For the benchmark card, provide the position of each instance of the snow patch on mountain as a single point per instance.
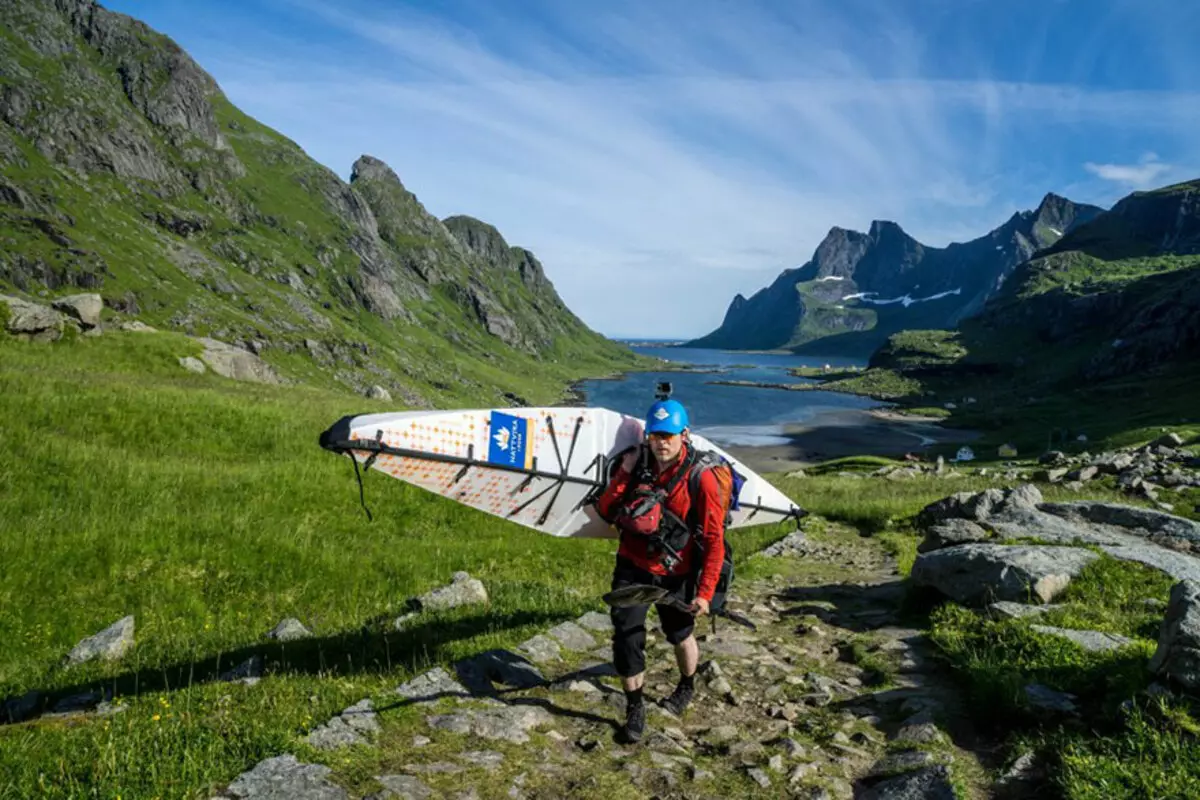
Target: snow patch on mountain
(906, 300)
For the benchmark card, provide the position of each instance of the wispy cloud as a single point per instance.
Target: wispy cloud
(1141, 175)
(695, 149)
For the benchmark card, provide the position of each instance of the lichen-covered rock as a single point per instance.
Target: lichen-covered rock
(237, 364)
(950, 532)
(285, 778)
(432, 685)
(1178, 655)
(33, 321)
(975, 573)
(511, 723)
(85, 308)
(109, 644)
(572, 636)
(461, 591)
(289, 630)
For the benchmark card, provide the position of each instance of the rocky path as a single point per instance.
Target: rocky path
(831, 697)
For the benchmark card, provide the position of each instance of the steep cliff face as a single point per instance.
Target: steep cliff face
(860, 287)
(126, 170)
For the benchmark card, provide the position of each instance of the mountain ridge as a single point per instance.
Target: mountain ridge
(128, 172)
(845, 290)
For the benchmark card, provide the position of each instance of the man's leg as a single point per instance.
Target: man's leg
(678, 626)
(687, 655)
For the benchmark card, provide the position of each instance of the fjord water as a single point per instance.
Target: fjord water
(730, 416)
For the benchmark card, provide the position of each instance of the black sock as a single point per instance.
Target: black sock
(633, 697)
(688, 681)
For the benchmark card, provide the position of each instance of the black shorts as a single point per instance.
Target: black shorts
(629, 622)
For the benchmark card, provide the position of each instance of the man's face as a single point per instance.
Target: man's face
(666, 446)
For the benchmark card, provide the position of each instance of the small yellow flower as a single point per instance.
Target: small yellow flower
(156, 718)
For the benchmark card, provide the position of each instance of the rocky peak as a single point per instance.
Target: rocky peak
(397, 211)
(481, 239)
(369, 168)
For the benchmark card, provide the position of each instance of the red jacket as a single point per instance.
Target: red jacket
(712, 497)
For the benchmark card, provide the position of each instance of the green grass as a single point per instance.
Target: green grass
(205, 508)
(1126, 745)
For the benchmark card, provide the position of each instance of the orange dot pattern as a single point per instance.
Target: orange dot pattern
(495, 491)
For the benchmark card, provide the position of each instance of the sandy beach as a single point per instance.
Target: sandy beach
(836, 434)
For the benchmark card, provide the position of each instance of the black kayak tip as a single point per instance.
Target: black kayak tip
(336, 438)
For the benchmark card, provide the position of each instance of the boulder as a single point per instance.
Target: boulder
(931, 783)
(1178, 655)
(1170, 440)
(379, 393)
(1092, 641)
(85, 308)
(463, 590)
(952, 532)
(963, 505)
(355, 725)
(33, 321)
(572, 636)
(109, 644)
(285, 776)
(431, 685)
(510, 723)
(977, 573)
(1143, 522)
(289, 630)
(237, 364)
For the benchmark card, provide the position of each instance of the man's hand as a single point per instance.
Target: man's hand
(700, 607)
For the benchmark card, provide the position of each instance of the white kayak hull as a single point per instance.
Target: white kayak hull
(532, 466)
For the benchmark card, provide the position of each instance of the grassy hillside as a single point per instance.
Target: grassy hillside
(127, 172)
(205, 508)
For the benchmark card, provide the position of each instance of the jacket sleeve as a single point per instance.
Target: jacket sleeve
(606, 503)
(714, 490)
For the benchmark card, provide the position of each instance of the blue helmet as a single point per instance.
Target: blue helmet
(666, 416)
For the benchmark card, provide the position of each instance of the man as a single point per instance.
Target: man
(669, 539)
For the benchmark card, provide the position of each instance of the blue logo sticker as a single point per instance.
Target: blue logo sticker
(508, 441)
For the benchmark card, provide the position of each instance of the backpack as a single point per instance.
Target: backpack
(700, 460)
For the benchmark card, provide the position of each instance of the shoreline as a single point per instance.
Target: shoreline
(853, 432)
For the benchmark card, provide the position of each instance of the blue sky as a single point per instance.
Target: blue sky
(660, 156)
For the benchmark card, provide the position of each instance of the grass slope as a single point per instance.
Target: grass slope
(205, 508)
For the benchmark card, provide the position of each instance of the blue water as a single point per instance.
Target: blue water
(730, 416)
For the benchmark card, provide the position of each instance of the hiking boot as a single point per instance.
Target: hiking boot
(635, 722)
(679, 699)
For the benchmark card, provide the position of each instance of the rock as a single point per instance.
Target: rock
(1050, 475)
(1133, 521)
(1178, 655)
(1092, 641)
(951, 532)
(1171, 440)
(505, 667)
(431, 685)
(760, 777)
(720, 686)
(572, 636)
(289, 630)
(487, 759)
(1047, 699)
(405, 787)
(463, 590)
(85, 308)
(1027, 497)
(971, 573)
(1052, 458)
(922, 733)
(379, 393)
(511, 723)
(541, 649)
(193, 365)
(775, 763)
(109, 644)
(137, 326)
(795, 543)
(583, 687)
(963, 505)
(355, 725)
(1177, 565)
(236, 364)
(30, 320)
(421, 741)
(595, 621)
(932, 783)
(285, 778)
(1010, 610)
(904, 761)
(1083, 474)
